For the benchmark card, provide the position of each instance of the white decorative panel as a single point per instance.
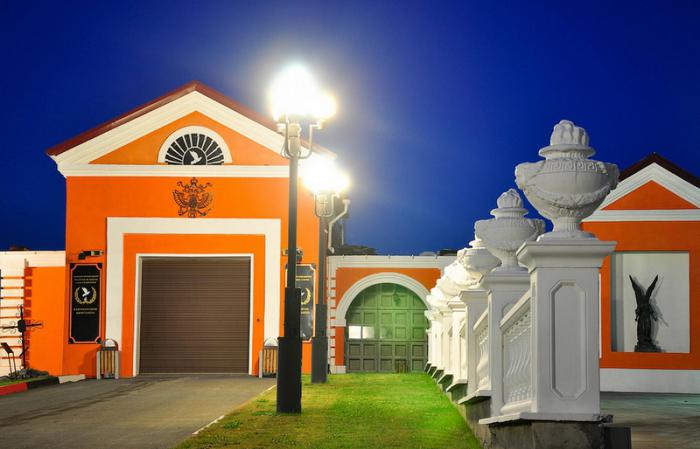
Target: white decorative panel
(670, 298)
(568, 305)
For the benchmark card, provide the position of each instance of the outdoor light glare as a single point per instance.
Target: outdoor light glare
(321, 175)
(295, 93)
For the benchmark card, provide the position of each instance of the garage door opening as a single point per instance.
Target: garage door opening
(386, 331)
(195, 315)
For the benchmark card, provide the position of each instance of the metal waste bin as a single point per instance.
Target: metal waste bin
(108, 360)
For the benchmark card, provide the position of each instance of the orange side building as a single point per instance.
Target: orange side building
(654, 216)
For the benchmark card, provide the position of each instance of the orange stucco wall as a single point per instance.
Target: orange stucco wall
(91, 200)
(650, 236)
(43, 293)
(650, 196)
(346, 277)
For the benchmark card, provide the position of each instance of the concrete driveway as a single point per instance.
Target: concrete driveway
(658, 420)
(144, 412)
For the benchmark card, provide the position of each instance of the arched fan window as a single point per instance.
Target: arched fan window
(194, 145)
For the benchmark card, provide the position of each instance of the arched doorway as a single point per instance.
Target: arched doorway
(386, 330)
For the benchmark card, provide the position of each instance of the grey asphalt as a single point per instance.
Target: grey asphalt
(146, 412)
(658, 421)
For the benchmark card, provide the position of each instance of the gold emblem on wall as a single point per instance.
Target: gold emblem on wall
(85, 295)
(192, 199)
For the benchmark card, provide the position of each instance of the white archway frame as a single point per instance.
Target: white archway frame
(194, 130)
(374, 279)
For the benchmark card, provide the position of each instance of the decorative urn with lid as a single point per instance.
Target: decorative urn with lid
(508, 230)
(566, 187)
(477, 260)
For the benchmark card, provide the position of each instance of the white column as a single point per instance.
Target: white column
(504, 289)
(436, 328)
(476, 301)
(429, 332)
(458, 314)
(446, 341)
(565, 327)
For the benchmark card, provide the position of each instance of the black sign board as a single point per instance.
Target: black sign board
(306, 281)
(85, 300)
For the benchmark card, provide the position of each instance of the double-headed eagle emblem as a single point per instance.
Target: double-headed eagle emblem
(192, 199)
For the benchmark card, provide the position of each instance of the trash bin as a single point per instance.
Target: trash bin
(268, 359)
(108, 360)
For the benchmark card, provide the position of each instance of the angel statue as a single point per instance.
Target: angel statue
(644, 313)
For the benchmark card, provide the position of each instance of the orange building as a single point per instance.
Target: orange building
(188, 187)
(654, 216)
(176, 217)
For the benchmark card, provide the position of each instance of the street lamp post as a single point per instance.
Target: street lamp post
(326, 183)
(294, 96)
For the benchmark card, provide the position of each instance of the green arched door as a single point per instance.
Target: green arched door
(386, 331)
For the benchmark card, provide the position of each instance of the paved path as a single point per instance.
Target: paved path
(141, 413)
(658, 421)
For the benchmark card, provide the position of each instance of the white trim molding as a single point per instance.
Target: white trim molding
(118, 227)
(194, 130)
(374, 279)
(137, 300)
(32, 259)
(659, 175)
(205, 171)
(645, 215)
(650, 380)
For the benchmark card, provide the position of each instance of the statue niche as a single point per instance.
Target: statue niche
(644, 313)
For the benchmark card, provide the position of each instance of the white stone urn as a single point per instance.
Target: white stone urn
(508, 230)
(566, 187)
(477, 260)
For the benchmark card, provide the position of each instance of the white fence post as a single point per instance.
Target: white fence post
(458, 315)
(503, 235)
(504, 289)
(551, 334)
(476, 301)
(566, 372)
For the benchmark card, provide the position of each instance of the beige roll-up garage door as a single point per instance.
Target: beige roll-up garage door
(195, 315)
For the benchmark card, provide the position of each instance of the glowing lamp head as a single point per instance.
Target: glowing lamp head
(295, 93)
(321, 175)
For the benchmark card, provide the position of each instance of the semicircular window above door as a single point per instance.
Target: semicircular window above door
(194, 145)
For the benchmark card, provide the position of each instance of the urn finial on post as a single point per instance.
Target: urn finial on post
(509, 229)
(566, 187)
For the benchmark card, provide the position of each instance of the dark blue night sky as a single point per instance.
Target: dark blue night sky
(437, 102)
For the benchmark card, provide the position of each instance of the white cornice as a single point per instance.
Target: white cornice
(660, 175)
(118, 137)
(205, 171)
(645, 215)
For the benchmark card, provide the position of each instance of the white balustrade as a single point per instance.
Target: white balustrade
(476, 301)
(517, 356)
(481, 337)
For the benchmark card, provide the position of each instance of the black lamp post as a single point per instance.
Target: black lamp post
(289, 352)
(295, 95)
(324, 209)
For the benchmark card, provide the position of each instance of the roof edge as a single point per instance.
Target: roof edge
(192, 86)
(656, 158)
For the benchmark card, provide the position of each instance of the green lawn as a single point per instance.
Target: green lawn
(362, 411)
